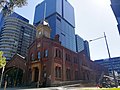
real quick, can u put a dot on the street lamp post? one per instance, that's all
(108, 55)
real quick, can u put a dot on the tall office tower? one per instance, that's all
(60, 15)
(1, 21)
(82, 45)
(115, 4)
(79, 43)
(87, 50)
(16, 35)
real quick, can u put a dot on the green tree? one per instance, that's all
(7, 6)
(2, 60)
(2, 65)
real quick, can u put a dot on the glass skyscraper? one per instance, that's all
(115, 4)
(87, 49)
(16, 35)
(60, 15)
(82, 45)
(79, 43)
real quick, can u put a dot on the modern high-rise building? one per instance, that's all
(79, 43)
(2, 17)
(1, 21)
(82, 45)
(87, 49)
(60, 15)
(16, 35)
(115, 4)
(107, 63)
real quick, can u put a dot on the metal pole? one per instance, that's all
(107, 46)
(45, 11)
(1, 76)
(110, 61)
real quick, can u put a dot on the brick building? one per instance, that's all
(50, 63)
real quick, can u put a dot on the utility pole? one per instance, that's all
(113, 72)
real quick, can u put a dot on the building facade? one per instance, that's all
(16, 36)
(52, 64)
(107, 63)
(60, 15)
(48, 63)
(115, 4)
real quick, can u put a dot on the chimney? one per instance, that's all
(57, 38)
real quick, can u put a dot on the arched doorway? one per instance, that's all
(16, 71)
(14, 77)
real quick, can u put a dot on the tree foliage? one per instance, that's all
(7, 6)
(13, 3)
(18, 3)
(2, 60)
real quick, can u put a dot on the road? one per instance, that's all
(64, 88)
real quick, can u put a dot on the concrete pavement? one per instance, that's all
(52, 88)
(63, 88)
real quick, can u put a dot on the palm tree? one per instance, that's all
(7, 6)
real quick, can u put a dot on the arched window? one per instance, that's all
(58, 72)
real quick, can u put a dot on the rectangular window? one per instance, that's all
(75, 60)
(76, 75)
(55, 71)
(67, 57)
(32, 57)
(39, 56)
(46, 53)
(58, 72)
(58, 53)
(68, 74)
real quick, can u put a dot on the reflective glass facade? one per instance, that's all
(82, 45)
(87, 50)
(107, 63)
(79, 43)
(1, 21)
(60, 15)
(16, 36)
(115, 4)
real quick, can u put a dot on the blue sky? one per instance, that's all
(92, 18)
